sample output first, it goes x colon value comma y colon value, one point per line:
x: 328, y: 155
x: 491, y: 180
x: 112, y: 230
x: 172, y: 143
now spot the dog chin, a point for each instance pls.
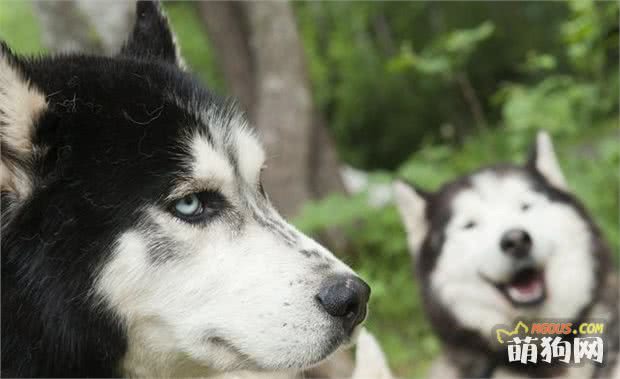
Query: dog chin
x: 225, y: 356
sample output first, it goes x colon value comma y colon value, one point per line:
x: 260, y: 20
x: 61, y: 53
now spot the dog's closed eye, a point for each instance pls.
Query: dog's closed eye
x: 470, y: 224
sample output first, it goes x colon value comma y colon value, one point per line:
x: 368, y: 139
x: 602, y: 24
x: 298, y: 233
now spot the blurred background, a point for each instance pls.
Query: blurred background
x: 349, y: 95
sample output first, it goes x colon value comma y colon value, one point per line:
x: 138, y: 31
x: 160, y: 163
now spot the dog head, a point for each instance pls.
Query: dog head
x: 136, y: 226
x: 503, y: 242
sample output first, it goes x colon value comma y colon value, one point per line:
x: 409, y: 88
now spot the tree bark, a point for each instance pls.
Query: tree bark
x: 260, y: 53
x: 86, y: 26
x: 227, y: 28
x: 283, y: 102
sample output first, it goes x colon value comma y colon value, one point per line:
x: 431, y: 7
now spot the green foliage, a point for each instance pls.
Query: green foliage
x: 588, y: 93
x: 445, y: 56
x: 384, y: 75
x: 558, y: 103
x: 19, y: 28
x: 589, y: 34
x: 590, y: 162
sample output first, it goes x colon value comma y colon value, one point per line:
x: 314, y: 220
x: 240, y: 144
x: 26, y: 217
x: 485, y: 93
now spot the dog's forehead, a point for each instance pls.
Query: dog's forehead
x: 223, y: 154
x: 223, y: 145
x: 493, y: 187
x: 483, y: 189
x: 159, y: 113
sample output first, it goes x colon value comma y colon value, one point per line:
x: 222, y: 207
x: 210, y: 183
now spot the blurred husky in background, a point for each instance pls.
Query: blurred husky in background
x: 503, y: 243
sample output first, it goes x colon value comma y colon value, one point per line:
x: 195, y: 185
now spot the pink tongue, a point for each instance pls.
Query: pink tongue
x: 528, y: 286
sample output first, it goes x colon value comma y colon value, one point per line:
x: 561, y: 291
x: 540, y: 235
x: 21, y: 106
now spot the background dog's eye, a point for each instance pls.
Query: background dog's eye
x: 470, y: 224
x: 525, y: 206
x: 190, y: 205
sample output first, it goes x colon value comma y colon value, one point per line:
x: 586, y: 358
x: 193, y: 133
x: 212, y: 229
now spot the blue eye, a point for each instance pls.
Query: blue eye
x: 199, y: 207
x: 188, y: 206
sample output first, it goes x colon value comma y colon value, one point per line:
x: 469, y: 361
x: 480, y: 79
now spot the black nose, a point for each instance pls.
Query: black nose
x: 345, y: 297
x: 516, y: 243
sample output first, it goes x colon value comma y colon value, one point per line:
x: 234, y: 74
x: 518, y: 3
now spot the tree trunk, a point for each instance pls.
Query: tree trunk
x: 87, y: 26
x: 283, y: 102
x: 227, y: 28
x: 260, y: 53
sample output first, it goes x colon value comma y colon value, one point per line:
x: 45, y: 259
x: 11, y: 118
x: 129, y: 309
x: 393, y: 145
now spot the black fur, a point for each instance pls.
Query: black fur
x: 111, y: 141
x: 478, y: 357
x: 151, y: 36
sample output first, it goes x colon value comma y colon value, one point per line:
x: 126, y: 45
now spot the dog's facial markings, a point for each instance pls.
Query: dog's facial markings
x: 322, y: 267
x: 468, y: 277
x: 494, y: 205
x: 501, y: 243
x: 223, y: 252
x: 21, y: 106
x: 274, y: 224
x: 144, y: 187
x: 309, y: 253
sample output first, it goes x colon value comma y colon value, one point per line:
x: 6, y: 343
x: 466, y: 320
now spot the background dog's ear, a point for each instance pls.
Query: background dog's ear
x: 411, y: 204
x: 152, y: 36
x: 20, y: 106
x: 543, y: 159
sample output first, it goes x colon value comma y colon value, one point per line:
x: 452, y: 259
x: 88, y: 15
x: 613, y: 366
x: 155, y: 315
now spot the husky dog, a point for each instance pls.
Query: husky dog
x: 502, y: 243
x: 136, y: 236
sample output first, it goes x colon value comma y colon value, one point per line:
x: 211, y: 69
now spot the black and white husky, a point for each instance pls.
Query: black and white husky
x: 501, y: 243
x: 136, y: 236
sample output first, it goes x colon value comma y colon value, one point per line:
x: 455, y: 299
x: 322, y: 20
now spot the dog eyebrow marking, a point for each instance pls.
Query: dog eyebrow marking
x: 250, y: 155
x: 209, y: 164
x: 193, y: 185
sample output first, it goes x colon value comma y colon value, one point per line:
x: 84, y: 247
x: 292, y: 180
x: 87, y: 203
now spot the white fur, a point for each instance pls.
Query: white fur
x: 411, y: 207
x: 560, y: 243
x: 547, y: 163
x: 251, y: 155
x: 210, y: 165
x: 370, y: 361
x: 20, y: 104
x: 246, y: 287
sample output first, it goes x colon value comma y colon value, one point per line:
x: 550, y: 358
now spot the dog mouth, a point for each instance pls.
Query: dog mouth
x: 525, y: 288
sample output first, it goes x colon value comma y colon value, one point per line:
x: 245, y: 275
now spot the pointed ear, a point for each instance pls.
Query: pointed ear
x: 543, y: 159
x: 20, y: 106
x: 152, y: 36
x: 411, y: 205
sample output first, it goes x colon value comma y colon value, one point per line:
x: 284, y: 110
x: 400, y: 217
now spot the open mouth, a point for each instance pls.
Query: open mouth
x: 525, y: 288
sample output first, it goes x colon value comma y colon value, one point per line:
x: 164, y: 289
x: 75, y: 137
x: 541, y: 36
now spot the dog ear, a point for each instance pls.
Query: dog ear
x: 152, y: 36
x: 20, y: 106
x: 543, y: 159
x: 411, y: 204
